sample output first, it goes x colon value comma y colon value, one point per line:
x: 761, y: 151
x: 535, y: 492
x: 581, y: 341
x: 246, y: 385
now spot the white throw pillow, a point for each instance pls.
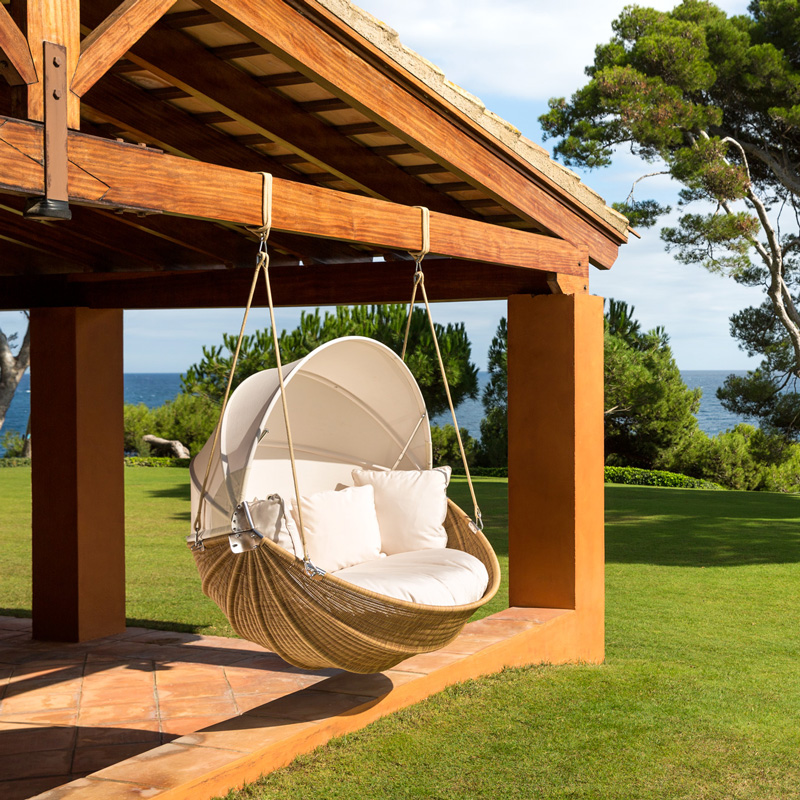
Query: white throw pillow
x: 341, y: 528
x: 411, y: 506
x: 269, y: 520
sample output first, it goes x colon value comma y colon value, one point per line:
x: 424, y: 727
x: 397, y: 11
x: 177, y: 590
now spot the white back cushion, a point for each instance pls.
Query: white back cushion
x: 341, y: 528
x: 411, y: 506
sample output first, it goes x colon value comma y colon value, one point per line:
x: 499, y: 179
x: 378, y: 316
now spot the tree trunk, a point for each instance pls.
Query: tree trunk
x: 12, y: 368
x: 26, y: 448
x: 169, y: 446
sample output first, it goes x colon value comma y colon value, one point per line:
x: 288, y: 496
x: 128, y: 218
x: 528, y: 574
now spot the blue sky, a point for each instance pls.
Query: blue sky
x: 513, y: 54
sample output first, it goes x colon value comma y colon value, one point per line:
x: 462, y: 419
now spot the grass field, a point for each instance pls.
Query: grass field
x: 699, y: 697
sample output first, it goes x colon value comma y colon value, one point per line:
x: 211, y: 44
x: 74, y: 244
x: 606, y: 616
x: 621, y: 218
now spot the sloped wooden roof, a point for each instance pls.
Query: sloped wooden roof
x: 318, y: 94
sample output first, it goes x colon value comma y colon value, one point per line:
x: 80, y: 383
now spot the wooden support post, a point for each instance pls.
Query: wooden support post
x: 77, y: 484
x: 555, y: 459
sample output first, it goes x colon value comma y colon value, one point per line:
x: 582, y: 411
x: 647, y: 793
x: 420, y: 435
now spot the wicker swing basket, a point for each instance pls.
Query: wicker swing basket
x: 327, y: 622
x: 354, y: 405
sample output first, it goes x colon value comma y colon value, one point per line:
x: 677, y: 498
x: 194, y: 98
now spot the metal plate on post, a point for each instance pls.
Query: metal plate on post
x: 55, y: 203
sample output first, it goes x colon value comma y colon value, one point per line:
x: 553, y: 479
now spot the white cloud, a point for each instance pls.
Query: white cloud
x: 527, y: 49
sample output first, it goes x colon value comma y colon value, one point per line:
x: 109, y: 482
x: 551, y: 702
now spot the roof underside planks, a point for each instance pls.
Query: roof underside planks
x: 221, y: 91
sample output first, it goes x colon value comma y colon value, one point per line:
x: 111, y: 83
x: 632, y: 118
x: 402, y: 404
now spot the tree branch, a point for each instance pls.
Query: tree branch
x: 783, y: 174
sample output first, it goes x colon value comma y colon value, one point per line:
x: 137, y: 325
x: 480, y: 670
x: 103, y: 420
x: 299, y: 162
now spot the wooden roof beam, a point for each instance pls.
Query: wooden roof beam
x: 58, y: 23
x: 446, y: 280
x: 112, y: 175
x: 366, y: 78
x: 105, y: 241
x: 195, y: 70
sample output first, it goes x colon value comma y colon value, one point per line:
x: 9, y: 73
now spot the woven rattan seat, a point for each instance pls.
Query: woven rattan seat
x: 354, y: 404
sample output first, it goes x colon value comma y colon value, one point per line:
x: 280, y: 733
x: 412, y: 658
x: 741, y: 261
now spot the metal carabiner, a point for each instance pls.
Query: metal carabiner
x: 262, y: 248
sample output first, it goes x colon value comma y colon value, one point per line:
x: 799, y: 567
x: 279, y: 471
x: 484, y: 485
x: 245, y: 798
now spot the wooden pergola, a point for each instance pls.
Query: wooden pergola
x: 132, y: 136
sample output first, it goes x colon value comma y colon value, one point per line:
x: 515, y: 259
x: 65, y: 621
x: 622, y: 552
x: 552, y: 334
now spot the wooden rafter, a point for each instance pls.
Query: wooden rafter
x: 111, y: 39
x: 195, y: 70
x: 134, y: 110
x: 113, y: 174
x: 408, y: 108
x: 13, y: 43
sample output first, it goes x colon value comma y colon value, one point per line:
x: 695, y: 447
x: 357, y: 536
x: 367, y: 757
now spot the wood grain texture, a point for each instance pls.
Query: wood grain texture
x: 110, y: 40
x: 555, y: 452
x: 379, y: 95
x: 15, y: 46
x: 136, y: 111
x: 56, y: 21
x: 77, y: 483
x: 122, y: 175
x: 192, y: 68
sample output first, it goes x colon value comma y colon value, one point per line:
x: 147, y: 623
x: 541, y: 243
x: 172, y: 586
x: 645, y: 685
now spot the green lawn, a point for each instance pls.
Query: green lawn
x: 699, y: 696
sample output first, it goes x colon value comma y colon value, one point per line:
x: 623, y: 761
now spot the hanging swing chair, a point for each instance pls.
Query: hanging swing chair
x: 357, y: 416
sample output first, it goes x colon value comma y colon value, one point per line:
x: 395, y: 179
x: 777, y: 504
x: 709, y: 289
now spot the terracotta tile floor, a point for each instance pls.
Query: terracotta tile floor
x: 67, y: 710
x: 186, y: 717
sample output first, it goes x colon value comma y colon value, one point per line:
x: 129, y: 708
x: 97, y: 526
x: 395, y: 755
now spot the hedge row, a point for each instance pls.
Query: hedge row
x: 156, y: 461
x: 627, y: 475
x: 14, y: 462
x: 656, y: 477
x: 483, y: 472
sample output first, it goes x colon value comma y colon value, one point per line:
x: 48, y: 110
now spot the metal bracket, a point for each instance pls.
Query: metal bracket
x: 55, y: 203
x: 244, y: 536
x: 313, y: 572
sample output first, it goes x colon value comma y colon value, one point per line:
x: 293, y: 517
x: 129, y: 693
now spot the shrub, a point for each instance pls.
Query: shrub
x: 445, y: 446
x: 156, y: 461
x: 482, y: 472
x: 14, y: 462
x: 137, y: 421
x: 188, y: 418
x: 13, y: 443
x: 744, y: 458
x: 656, y: 477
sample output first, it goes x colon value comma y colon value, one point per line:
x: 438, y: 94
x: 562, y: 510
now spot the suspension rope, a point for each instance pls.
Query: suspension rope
x: 419, y: 282
x: 262, y: 263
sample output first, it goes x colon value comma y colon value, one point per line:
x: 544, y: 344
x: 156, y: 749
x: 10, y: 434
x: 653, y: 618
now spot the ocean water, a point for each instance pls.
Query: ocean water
x: 155, y: 388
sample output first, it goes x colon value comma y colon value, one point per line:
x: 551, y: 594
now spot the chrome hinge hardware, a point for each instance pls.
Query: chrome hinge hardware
x: 244, y: 536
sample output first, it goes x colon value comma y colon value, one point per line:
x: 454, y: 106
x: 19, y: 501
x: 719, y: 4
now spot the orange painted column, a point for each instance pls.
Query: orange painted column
x: 77, y: 481
x: 555, y: 459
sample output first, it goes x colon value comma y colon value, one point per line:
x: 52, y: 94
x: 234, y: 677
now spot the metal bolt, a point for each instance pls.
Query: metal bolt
x: 56, y: 94
x: 56, y: 61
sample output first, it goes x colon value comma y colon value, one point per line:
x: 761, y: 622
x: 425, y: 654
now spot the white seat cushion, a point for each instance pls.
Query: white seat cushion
x: 434, y: 577
x: 340, y: 528
x: 411, y: 506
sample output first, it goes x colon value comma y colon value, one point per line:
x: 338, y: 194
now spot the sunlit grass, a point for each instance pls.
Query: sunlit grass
x: 699, y: 697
